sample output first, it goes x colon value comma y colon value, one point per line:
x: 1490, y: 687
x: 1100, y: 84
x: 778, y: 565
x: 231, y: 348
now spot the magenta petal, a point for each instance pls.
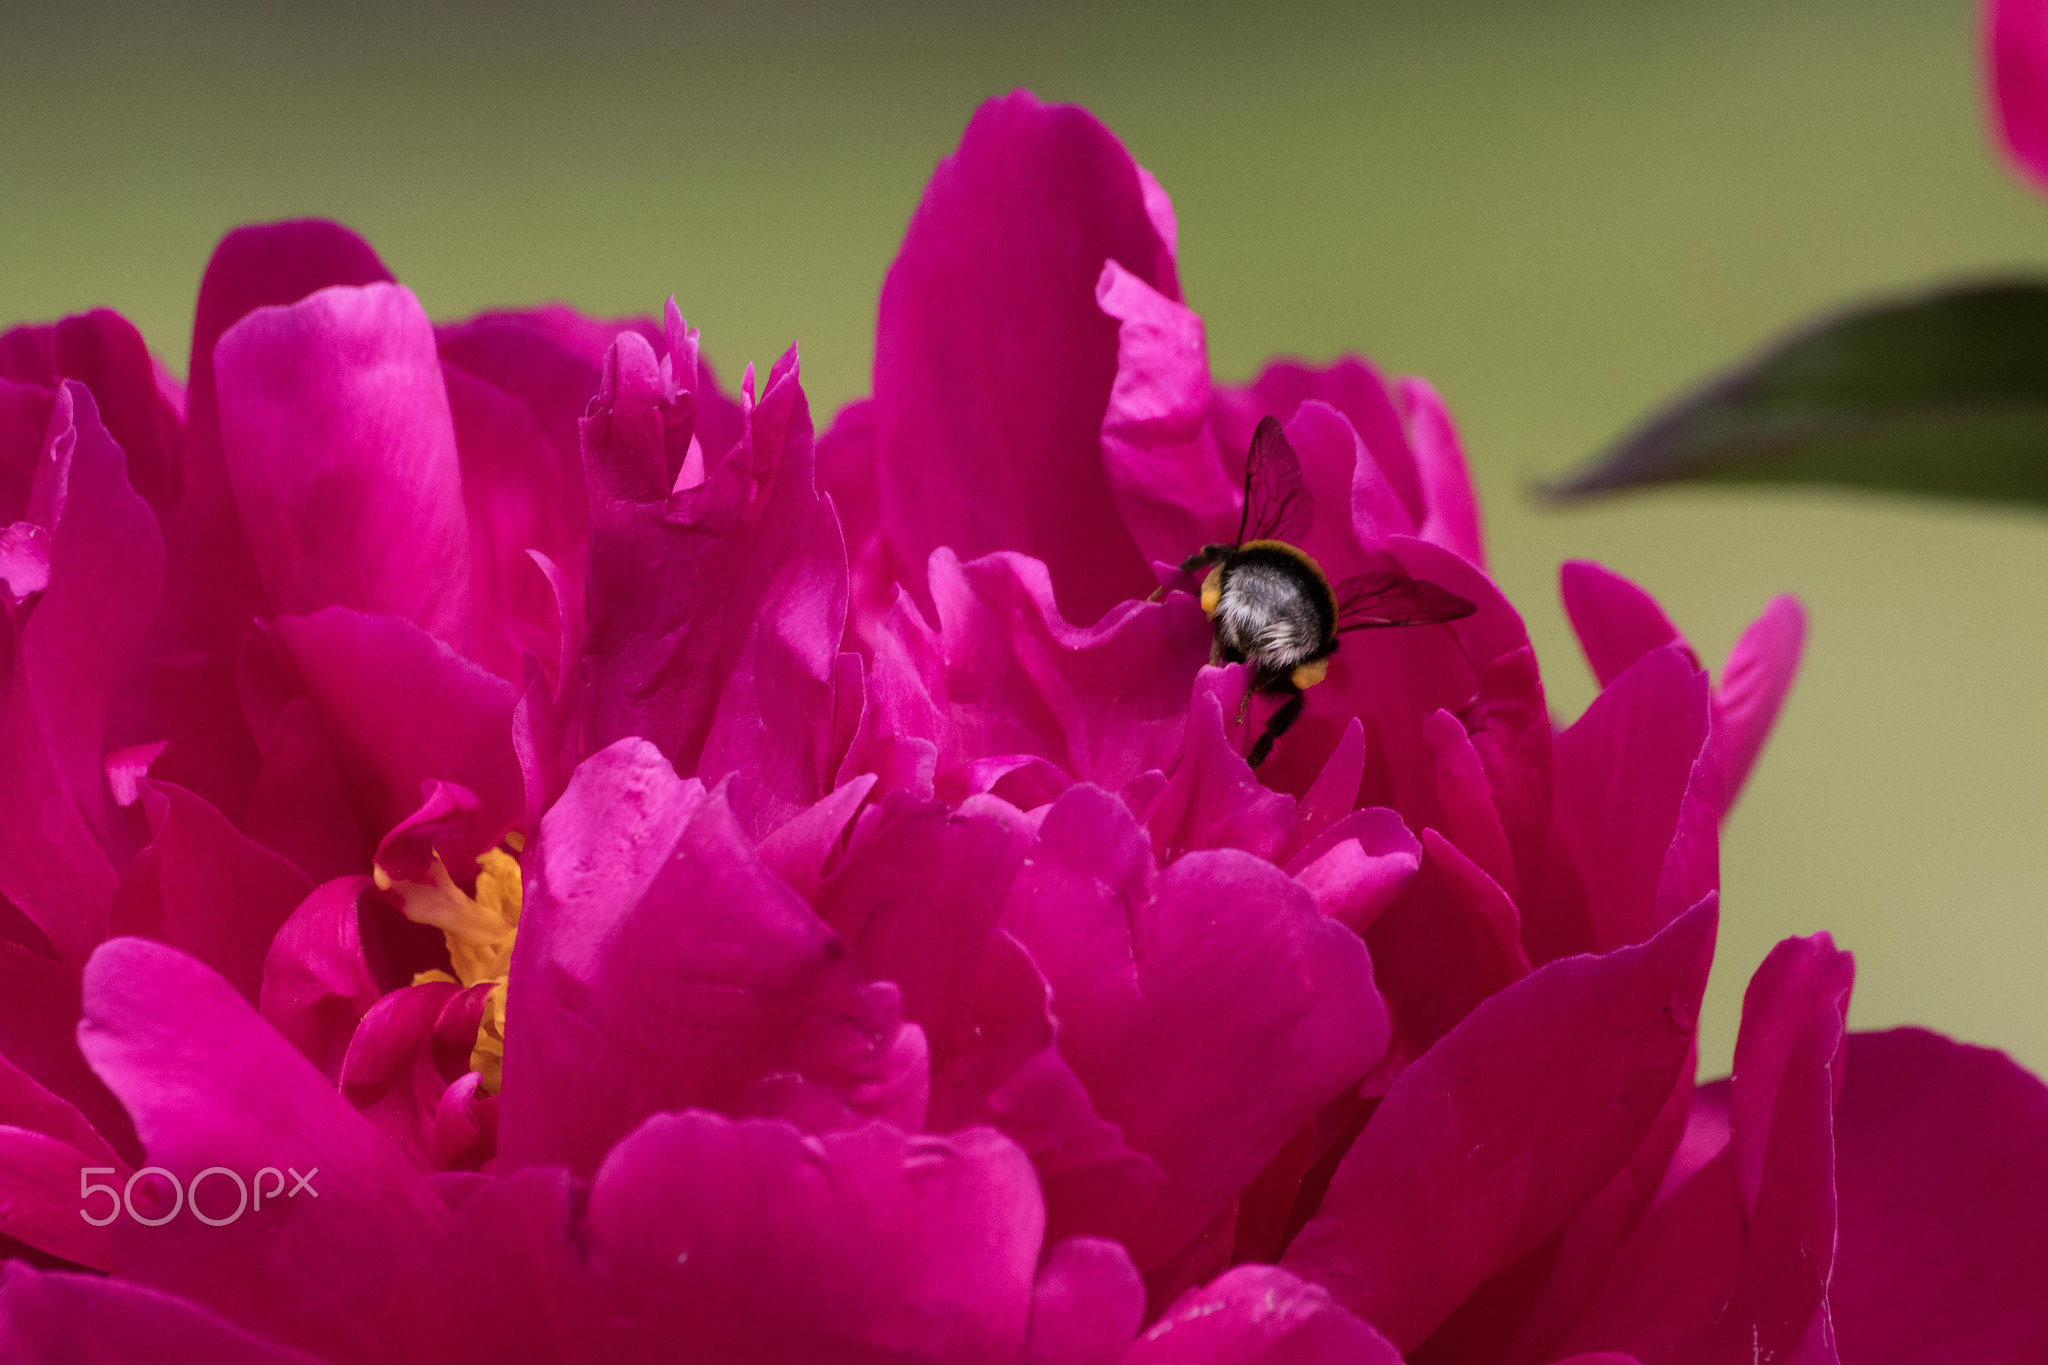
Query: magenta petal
x: 39, y: 1204
x: 1758, y: 674
x: 24, y: 559
x: 103, y: 351
x: 1086, y: 1306
x: 316, y: 984
x: 1356, y: 506
x: 449, y: 824
x: 193, y: 704
x: 523, y: 494
x: 26, y: 1104
x: 775, y: 718
x: 518, y: 383
x: 1334, y: 793
x: 670, y: 970
x: 1625, y: 770
x: 1471, y: 819
x: 106, y: 574
x: 1449, y: 941
x: 339, y: 442
x: 799, y: 850
x: 716, y: 611
x: 1491, y: 1140
x: 402, y: 709
x: 51, y: 868
x: 916, y: 899
x: 215, y: 587
x: 750, y: 1241
x: 1356, y: 867
x: 390, y: 1036
x: 1941, y: 1155
x: 1354, y: 388
x: 1393, y: 679
x: 1260, y: 1315
x: 516, y: 1243
x: 2016, y: 43
x: 39, y: 1008
x: 1617, y: 622
x: 1212, y: 799
x: 1001, y: 1066
x: 847, y: 472
x: 1164, y: 470
x: 1573, y: 1272
x: 1780, y: 1114
x: 1508, y: 722
x: 50, y: 1316
x: 24, y: 422
x: 1792, y: 1017
x: 993, y: 363
x: 204, y: 888
x: 389, y: 1073
x: 1005, y: 674
x: 210, y: 1084
x: 483, y: 345
x: 1209, y: 1008
x: 1674, y: 1276
x: 1451, y: 506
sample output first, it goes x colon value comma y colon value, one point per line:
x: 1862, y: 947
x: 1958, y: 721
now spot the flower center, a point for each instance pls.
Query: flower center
x: 480, y: 930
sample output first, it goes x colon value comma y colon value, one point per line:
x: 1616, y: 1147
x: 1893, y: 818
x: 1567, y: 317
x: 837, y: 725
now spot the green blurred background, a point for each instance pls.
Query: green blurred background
x: 1559, y: 212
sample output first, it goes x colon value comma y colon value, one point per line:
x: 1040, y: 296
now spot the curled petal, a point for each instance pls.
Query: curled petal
x: 1758, y: 674
x: 1163, y: 466
x: 1005, y: 674
x: 993, y: 364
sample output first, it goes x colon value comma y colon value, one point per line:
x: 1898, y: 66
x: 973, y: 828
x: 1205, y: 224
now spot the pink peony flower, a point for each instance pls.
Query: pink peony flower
x: 691, y: 892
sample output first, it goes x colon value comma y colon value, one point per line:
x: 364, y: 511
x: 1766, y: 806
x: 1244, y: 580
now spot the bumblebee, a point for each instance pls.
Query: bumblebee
x: 1270, y: 602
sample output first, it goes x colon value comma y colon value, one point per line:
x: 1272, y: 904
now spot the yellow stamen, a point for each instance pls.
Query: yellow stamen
x: 480, y: 931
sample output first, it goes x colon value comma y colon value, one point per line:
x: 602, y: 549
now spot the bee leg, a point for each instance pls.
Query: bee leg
x: 1276, y: 726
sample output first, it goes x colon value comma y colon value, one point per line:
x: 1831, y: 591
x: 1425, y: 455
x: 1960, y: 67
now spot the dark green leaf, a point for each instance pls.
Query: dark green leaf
x: 1944, y: 393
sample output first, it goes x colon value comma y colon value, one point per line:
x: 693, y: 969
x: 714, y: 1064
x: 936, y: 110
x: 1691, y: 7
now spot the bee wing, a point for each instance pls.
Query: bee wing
x: 1277, y: 503
x: 1376, y: 601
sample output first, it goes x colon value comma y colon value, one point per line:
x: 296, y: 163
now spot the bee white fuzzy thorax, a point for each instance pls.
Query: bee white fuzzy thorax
x: 1263, y: 612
